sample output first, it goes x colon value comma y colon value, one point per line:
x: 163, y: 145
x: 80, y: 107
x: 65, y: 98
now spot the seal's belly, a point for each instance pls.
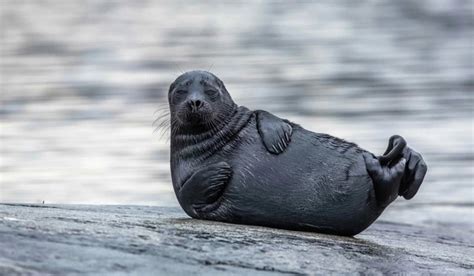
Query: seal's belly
x: 314, y: 184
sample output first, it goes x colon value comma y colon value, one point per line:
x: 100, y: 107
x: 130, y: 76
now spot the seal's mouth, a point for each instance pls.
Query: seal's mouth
x: 194, y: 117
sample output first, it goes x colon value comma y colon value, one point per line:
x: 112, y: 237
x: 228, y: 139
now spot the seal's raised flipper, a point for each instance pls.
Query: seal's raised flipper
x: 275, y: 132
x: 386, y: 179
x: 201, y: 191
x: 415, y: 172
x: 399, y: 171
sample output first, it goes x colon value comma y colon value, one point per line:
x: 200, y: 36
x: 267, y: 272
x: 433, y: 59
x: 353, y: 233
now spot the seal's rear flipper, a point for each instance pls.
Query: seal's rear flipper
x: 400, y: 171
x: 275, y: 132
x: 386, y: 179
x: 201, y: 192
x: 415, y: 172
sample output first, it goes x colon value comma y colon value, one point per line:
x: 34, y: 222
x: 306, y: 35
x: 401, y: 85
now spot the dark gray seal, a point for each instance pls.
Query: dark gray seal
x: 231, y: 164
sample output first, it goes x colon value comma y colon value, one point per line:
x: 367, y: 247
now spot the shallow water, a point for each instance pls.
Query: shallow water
x: 81, y: 82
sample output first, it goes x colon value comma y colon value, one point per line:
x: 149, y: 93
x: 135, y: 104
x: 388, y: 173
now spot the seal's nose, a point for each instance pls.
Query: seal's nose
x: 195, y: 105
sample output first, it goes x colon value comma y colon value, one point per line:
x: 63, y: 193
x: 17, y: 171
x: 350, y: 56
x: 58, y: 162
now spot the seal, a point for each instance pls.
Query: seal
x: 232, y: 164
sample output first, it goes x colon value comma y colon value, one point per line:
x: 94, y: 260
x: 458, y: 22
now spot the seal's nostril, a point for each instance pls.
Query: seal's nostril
x: 194, y: 105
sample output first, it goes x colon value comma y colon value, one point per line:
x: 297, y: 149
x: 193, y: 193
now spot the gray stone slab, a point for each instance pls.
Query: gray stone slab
x: 142, y: 240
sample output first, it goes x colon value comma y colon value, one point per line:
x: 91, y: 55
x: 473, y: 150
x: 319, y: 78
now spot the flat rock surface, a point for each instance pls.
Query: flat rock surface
x: 142, y: 240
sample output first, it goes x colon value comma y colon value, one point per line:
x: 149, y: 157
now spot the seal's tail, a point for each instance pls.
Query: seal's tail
x: 399, y: 171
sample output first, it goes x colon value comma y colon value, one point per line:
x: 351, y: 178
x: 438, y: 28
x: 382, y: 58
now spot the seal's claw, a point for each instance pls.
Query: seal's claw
x: 213, y: 180
x: 274, y: 132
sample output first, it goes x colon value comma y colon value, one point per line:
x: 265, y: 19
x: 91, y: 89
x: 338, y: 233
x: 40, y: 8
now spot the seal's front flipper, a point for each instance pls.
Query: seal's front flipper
x: 399, y: 171
x: 275, y: 132
x: 201, y: 192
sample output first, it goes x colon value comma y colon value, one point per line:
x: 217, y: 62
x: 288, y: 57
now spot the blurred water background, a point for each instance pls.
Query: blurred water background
x: 81, y: 80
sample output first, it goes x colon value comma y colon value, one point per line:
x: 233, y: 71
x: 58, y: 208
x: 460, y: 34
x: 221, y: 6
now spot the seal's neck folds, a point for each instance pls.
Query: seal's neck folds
x: 185, y: 145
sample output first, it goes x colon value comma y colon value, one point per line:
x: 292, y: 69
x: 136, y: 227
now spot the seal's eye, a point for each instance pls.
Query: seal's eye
x: 211, y: 93
x: 179, y: 95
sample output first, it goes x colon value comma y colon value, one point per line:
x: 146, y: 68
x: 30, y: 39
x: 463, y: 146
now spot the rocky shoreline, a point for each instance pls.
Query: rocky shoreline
x: 143, y: 240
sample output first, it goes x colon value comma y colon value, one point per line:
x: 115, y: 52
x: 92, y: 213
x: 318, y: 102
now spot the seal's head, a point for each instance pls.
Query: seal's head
x: 199, y: 100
